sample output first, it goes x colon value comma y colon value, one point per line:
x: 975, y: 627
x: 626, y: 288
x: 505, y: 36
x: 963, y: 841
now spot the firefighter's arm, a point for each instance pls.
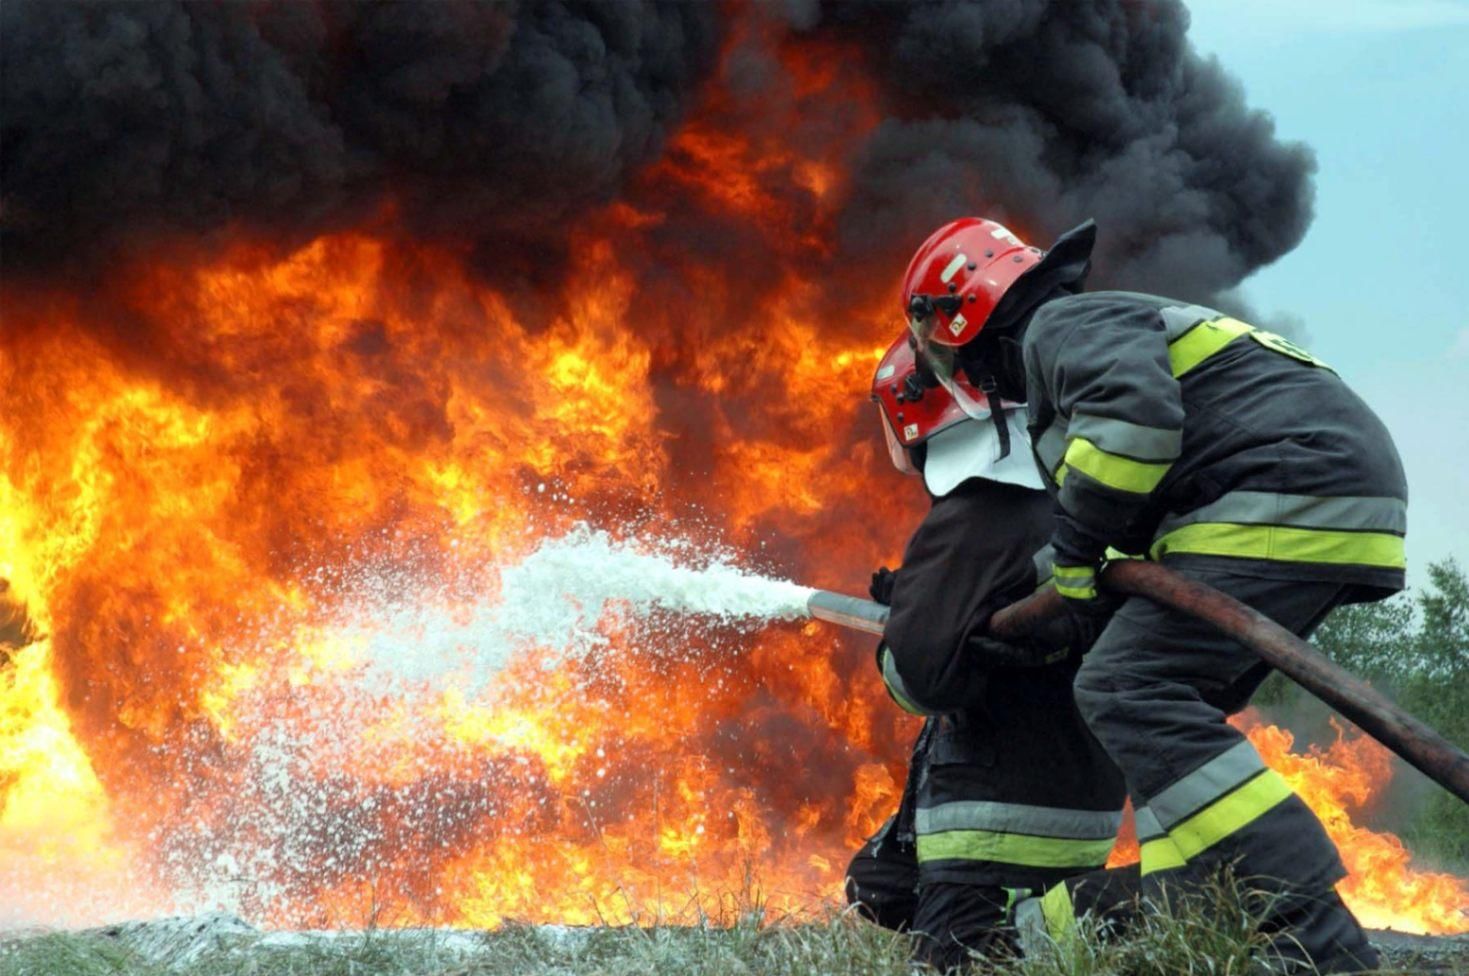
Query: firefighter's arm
x: 941, y: 680
x: 959, y: 683
x: 1103, y: 364
x: 896, y: 687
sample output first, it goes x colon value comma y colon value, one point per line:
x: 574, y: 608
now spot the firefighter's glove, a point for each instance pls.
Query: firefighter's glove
x: 882, y: 585
x: 1078, y: 563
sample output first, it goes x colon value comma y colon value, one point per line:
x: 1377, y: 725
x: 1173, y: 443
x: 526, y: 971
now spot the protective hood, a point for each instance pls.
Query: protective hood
x: 971, y: 449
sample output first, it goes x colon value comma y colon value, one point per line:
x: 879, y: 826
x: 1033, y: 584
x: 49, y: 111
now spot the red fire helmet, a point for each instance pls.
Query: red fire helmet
x: 953, y: 284
x: 911, y: 410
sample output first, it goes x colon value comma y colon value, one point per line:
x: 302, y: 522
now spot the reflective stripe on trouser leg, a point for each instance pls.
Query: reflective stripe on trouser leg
x: 1016, y: 833
x: 1146, y: 689
x: 1048, y: 919
x: 1156, y: 850
x: 1109, y: 897
x: 1223, y: 796
x: 1058, y: 912
x: 1155, y: 690
x: 1018, y: 849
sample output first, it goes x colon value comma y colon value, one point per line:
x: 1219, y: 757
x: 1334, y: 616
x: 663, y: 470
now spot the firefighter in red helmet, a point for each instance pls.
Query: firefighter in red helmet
x: 1008, y: 794
x: 1171, y: 430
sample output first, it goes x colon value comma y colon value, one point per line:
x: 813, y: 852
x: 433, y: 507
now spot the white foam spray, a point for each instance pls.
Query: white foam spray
x: 557, y: 595
x: 310, y: 738
x: 556, y: 601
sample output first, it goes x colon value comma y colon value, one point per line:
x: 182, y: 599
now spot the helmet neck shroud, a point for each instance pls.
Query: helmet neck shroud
x: 996, y: 352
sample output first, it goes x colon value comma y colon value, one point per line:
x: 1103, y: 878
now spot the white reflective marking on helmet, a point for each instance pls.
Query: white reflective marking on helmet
x: 952, y: 268
x: 1004, y: 233
x: 886, y: 371
x: 957, y: 326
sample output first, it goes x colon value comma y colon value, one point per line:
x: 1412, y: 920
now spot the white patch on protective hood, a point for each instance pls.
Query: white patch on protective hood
x: 971, y: 449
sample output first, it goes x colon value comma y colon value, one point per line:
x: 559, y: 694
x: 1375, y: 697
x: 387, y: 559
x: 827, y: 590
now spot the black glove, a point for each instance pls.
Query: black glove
x: 882, y: 585
x: 989, y: 652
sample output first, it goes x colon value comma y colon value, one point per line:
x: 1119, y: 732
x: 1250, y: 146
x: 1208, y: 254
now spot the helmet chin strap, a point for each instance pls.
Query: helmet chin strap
x: 991, y: 390
x: 1010, y: 368
x: 984, y: 373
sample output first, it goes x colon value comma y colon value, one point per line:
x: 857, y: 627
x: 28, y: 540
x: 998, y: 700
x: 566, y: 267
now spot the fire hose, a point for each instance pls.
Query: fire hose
x: 1353, y: 698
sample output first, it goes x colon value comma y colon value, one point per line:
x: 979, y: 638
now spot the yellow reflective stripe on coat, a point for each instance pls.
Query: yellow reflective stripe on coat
x: 1202, y: 341
x: 1113, y: 470
x: 1229, y: 814
x: 1284, y: 544
x: 1075, y: 582
x: 1023, y: 849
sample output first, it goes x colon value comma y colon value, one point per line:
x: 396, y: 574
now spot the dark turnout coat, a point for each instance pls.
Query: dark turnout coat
x: 1013, y: 789
x: 1175, y: 430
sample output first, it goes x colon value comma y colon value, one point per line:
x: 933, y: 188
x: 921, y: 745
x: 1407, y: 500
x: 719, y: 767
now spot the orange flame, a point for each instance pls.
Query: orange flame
x: 1344, y: 779
x: 1336, y: 782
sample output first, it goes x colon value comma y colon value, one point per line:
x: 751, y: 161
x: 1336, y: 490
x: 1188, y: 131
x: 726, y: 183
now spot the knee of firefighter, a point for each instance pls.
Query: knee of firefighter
x: 1105, y: 697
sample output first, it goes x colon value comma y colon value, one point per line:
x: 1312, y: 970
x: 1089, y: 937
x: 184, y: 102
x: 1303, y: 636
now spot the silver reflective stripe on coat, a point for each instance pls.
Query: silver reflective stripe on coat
x: 1148, y: 827
x: 899, y: 691
x: 1206, y: 784
x: 1050, y: 447
x: 1045, y: 563
x: 1127, y: 439
x: 1019, y: 818
x: 1361, y: 513
x: 1178, y: 319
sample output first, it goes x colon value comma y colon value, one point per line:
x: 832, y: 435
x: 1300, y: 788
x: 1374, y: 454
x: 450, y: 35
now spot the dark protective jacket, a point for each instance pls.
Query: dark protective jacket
x: 1013, y: 789
x: 1175, y: 430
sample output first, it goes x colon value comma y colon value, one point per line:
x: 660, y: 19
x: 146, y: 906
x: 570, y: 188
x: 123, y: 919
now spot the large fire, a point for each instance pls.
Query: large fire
x: 213, y: 473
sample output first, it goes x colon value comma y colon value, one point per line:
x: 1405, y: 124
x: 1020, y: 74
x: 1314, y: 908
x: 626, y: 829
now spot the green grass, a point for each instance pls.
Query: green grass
x: 1219, y: 941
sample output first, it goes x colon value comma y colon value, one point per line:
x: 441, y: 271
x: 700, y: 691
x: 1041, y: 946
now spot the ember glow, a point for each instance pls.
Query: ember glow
x: 222, y: 480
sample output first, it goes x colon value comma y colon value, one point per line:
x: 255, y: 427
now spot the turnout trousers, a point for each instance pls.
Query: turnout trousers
x: 1156, y: 690
x: 882, y: 880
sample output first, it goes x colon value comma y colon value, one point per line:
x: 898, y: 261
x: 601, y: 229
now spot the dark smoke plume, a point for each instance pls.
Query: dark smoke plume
x: 1047, y: 112
x: 127, y: 123
x: 124, y: 121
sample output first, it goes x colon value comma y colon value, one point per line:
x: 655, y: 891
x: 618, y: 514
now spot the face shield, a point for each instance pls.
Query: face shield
x: 943, y: 360
x: 897, y: 453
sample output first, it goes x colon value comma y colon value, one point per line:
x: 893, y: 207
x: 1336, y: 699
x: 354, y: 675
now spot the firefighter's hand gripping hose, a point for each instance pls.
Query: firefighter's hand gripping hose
x: 1413, y: 740
x: 1358, y: 701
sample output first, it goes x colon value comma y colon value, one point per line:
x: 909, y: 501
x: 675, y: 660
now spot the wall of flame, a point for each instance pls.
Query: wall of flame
x: 206, y: 463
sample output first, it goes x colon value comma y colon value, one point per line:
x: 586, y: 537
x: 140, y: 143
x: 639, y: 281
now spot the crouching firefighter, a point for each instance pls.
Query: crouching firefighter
x: 1008, y: 794
x: 1229, y: 454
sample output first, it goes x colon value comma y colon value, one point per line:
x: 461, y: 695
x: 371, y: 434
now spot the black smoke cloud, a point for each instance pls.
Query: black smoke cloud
x: 127, y: 124
x: 1047, y: 112
x: 123, y: 122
